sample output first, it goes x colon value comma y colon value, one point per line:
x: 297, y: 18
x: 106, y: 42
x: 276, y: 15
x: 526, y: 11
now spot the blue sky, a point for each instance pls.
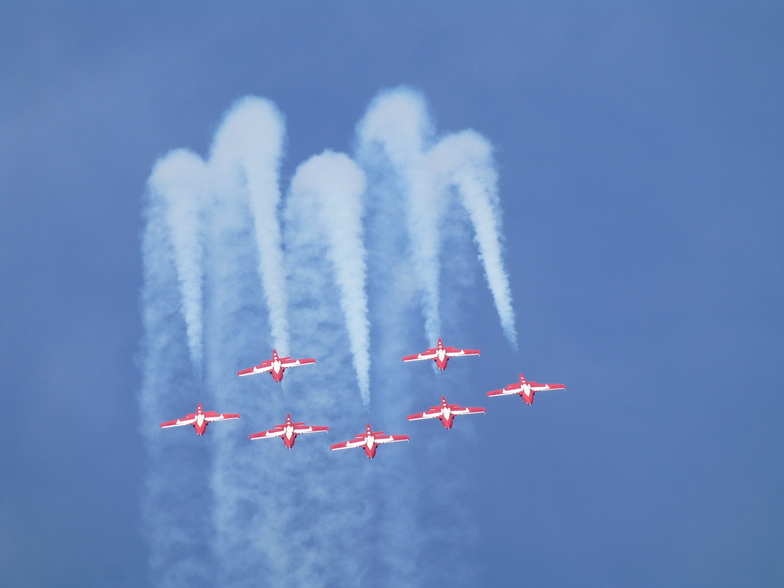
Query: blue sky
x: 639, y: 152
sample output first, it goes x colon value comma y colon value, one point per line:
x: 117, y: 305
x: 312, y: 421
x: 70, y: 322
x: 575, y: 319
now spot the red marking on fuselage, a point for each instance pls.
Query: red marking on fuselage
x: 441, y: 358
x: 370, y: 442
x: 277, y: 375
x: 447, y: 417
x: 289, y: 436
x: 526, y: 393
x: 200, y: 425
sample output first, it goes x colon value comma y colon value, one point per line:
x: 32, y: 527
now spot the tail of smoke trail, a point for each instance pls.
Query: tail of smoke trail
x: 172, y: 504
x: 247, y: 155
x: 465, y: 160
x: 180, y: 179
x: 333, y: 185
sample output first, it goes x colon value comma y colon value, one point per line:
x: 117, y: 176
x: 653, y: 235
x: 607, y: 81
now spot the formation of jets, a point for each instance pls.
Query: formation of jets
x: 369, y: 440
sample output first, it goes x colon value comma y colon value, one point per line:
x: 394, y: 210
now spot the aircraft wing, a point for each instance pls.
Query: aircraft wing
x: 219, y: 416
x: 453, y: 352
x: 295, y: 362
x: 347, y: 444
x: 188, y: 420
x: 539, y: 387
x: 264, y: 366
x: 467, y: 410
x: 512, y: 389
x: 300, y: 429
x: 391, y: 438
x: 429, y: 354
x: 433, y: 413
x: 276, y: 432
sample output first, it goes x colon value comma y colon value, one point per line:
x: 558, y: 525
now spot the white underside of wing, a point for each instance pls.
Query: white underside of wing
x: 219, y: 417
x: 426, y: 415
x: 180, y: 423
x: 421, y: 356
x: 388, y: 439
x: 508, y: 391
x: 300, y: 431
x: 349, y: 445
x: 543, y: 387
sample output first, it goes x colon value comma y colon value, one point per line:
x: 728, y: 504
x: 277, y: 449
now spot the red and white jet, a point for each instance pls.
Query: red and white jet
x: 289, y: 432
x: 526, y: 389
x: 200, y: 419
x: 445, y: 412
x: 276, y: 366
x: 441, y: 354
x: 369, y: 441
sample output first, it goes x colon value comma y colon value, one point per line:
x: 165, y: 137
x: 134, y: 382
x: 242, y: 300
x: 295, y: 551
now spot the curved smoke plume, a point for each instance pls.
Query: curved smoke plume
x: 246, y: 157
x: 180, y: 178
x: 397, y: 124
x: 465, y: 161
x: 331, y: 185
x: 397, y: 129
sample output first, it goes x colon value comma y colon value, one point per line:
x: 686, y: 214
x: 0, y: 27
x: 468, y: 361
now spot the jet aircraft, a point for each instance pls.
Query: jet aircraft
x: 445, y: 412
x: 289, y: 432
x: 526, y: 389
x: 369, y: 441
x: 199, y: 420
x: 441, y: 355
x: 276, y: 366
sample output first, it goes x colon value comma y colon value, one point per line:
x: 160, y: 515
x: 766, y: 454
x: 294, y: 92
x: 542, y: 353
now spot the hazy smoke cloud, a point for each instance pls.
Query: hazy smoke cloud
x: 359, y: 246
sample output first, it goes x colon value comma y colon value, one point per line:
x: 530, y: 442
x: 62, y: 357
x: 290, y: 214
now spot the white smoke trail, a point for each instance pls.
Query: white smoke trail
x: 333, y: 185
x: 247, y: 154
x: 465, y: 160
x: 181, y: 179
